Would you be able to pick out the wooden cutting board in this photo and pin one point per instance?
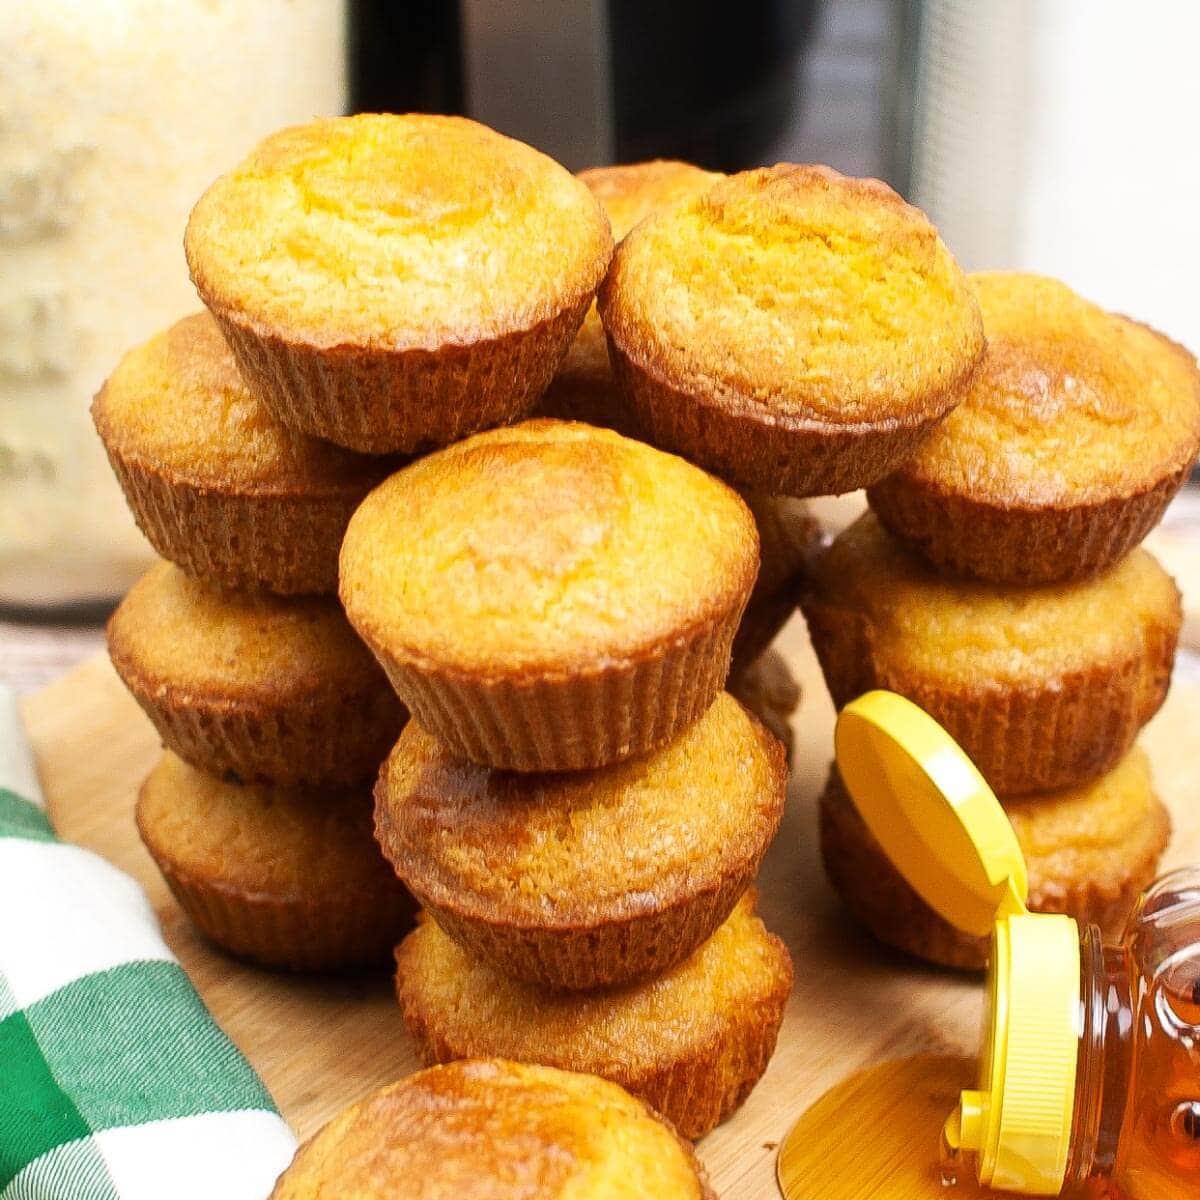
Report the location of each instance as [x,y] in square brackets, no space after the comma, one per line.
[321,1043]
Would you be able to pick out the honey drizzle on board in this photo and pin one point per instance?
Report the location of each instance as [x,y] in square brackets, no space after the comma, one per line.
[875,1136]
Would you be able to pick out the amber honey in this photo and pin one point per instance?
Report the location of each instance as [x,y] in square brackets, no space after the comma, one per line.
[875,1136]
[1157,1155]
[1088,1081]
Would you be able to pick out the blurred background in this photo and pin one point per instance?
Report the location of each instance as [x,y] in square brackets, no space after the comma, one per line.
[1050,135]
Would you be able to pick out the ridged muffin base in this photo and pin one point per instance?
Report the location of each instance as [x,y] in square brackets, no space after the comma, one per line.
[608,954]
[326,741]
[1031,737]
[695,1090]
[283,544]
[768,453]
[1018,544]
[564,721]
[342,933]
[381,401]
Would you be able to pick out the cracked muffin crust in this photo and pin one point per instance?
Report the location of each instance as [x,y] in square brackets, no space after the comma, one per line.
[551,596]
[585,879]
[791,329]
[487,1129]
[1077,430]
[692,1043]
[395,282]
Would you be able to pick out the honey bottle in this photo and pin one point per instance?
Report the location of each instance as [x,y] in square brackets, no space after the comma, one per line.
[1090,1069]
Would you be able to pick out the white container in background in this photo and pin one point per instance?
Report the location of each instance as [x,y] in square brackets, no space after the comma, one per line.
[1059,136]
[114,117]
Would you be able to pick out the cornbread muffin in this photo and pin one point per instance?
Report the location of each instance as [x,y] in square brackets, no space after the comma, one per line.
[551,596]
[584,388]
[789,536]
[1044,688]
[215,483]
[490,1129]
[1074,435]
[791,329]
[691,1043]
[585,879]
[769,690]
[394,283]
[272,690]
[1090,851]
[283,877]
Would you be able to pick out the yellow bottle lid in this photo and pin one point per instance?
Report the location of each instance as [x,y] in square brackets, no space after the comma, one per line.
[941,825]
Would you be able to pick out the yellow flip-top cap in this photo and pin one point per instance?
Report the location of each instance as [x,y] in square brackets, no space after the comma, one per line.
[943,828]
[931,811]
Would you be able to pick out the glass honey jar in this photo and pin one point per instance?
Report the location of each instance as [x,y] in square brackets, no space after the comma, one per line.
[1090,1069]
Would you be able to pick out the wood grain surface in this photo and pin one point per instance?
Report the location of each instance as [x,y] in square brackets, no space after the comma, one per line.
[321,1043]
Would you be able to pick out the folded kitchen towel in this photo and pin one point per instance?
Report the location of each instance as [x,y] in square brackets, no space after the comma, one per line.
[115,1082]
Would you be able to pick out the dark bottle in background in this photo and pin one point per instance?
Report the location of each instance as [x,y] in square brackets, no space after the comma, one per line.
[405,56]
[709,81]
[592,81]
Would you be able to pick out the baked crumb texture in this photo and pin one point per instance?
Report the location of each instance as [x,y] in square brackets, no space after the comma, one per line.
[488,1128]
[583,388]
[585,879]
[214,481]
[551,596]
[1075,433]
[283,877]
[270,690]
[790,329]
[1090,852]
[578,804]
[394,283]
[1044,688]
[691,1043]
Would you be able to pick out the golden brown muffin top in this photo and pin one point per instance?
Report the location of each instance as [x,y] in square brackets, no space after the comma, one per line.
[1070,404]
[486,1129]
[628,194]
[986,634]
[544,546]
[650,1022]
[1090,832]
[396,232]
[200,638]
[634,190]
[557,850]
[293,843]
[805,293]
[177,405]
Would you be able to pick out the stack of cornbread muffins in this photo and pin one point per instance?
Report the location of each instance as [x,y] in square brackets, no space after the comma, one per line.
[577,805]
[584,389]
[998,583]
[274,715]
[576,802]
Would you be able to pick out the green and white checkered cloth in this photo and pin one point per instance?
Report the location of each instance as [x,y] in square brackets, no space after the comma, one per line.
[115,1083]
